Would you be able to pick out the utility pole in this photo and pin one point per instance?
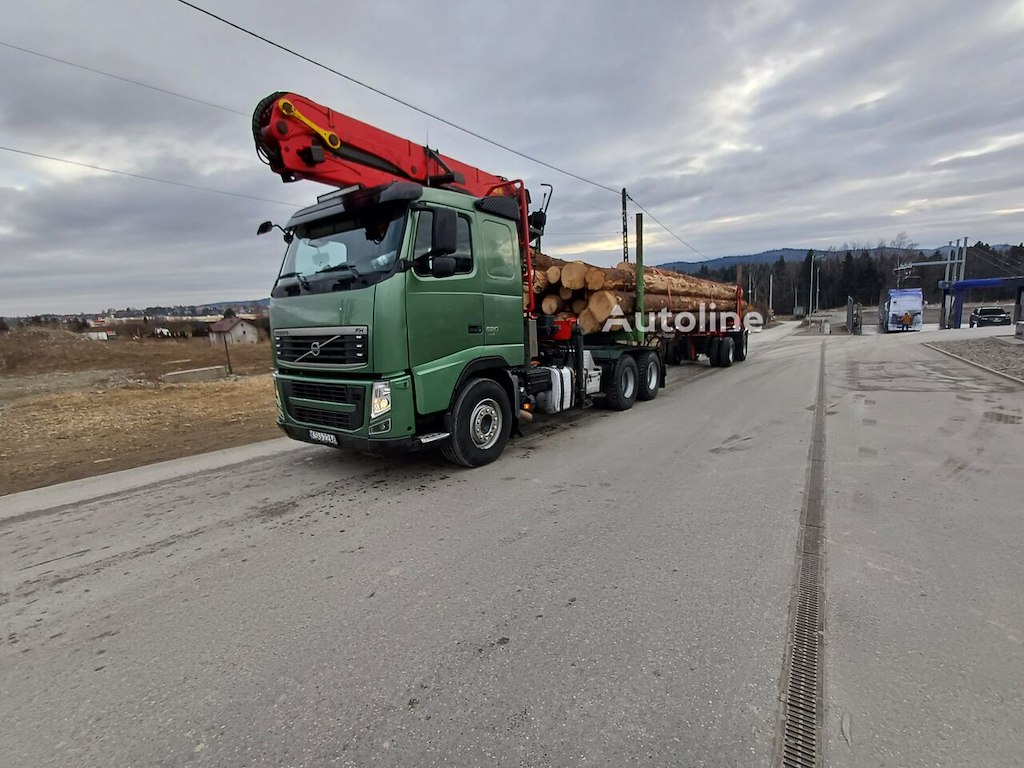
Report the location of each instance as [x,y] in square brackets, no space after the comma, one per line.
[944,307]
[625,230]
[817,289]
[227,354]
[963,261]
[771,294]
[810,290]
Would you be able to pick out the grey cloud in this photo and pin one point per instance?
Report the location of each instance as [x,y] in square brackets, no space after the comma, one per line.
[630,96]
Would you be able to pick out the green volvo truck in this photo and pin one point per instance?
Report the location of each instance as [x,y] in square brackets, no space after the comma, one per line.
[398,316]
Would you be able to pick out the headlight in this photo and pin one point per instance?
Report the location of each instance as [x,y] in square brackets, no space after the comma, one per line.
[380,399]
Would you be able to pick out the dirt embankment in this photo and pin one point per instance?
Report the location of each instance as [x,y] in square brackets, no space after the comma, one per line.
[73,408]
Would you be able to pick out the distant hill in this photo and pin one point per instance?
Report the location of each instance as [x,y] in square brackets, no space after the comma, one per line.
[765,257]
[770,257]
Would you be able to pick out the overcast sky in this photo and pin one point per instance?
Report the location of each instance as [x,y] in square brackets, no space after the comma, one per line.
[742,126]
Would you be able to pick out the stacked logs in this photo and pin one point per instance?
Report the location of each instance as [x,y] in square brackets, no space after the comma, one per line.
[591,294]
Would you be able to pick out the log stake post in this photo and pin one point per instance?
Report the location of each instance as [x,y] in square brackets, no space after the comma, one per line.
[640,308]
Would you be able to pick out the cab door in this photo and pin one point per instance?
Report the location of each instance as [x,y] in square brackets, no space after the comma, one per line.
[502,276]
[445,316]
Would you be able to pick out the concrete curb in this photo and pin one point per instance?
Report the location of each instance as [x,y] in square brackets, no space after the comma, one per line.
[49,497]
[976,365]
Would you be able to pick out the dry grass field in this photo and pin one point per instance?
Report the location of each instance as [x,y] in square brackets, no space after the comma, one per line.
[73,408]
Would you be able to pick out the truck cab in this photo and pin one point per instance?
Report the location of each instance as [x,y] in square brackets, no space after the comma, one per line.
[386,298]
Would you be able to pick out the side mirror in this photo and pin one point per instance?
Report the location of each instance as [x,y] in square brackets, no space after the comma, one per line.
[442,235]
[266,226]
[442,266]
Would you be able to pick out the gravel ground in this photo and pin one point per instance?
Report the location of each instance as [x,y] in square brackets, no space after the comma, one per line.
[1005,356]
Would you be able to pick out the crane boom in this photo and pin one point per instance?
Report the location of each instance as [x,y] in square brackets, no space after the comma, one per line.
[301,139]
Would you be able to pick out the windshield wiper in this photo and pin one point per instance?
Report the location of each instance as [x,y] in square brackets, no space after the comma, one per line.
[338,268]
[298,276]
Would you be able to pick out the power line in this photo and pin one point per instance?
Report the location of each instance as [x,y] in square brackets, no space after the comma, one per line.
[395,99]
[677,237]
[1001,267]
[230,110]
[144,177]
[431,115]
[122,79]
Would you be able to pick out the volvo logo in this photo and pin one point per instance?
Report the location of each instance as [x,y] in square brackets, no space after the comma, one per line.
[315,347]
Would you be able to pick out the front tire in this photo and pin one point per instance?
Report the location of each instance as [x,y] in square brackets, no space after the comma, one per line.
[650,375]
[621,390]
[481,424]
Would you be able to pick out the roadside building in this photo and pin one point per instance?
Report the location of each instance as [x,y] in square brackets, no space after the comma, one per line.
[234,330]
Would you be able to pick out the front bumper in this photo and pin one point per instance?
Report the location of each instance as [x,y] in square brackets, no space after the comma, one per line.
[365,444]
[340,407]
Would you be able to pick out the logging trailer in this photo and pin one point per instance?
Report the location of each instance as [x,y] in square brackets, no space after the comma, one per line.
[399,318]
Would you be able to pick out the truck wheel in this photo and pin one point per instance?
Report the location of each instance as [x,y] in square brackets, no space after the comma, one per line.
[726,352]
[621,390]
[481,423]
[672,356]
[741,346]
[650,376]
[712,351]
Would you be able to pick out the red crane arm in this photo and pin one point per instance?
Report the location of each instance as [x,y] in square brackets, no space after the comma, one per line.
[301,139]
[304,140]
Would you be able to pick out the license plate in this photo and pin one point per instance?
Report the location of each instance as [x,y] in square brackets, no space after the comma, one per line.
[323,437]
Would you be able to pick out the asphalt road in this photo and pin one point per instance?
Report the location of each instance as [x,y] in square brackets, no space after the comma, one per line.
[615,591]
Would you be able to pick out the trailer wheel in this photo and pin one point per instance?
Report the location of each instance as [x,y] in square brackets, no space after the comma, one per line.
[712,351]
[621,389]
[741,346]
[481,423]
[672,356]
[650,375]
[726,352]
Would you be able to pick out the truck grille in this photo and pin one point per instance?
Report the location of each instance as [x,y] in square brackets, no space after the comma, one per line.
[322,346]
[330,393]
[327,393]
[331,419]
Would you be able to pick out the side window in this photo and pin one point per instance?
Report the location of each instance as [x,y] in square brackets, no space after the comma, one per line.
[501,255]
[463,249]
[422,247]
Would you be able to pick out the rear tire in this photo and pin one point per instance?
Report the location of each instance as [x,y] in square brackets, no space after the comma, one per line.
[481,423]
[741,346]
[621,390]
[726,352]
[649,368]
[712,351]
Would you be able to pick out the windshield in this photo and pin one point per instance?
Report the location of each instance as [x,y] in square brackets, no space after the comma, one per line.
[353,250]
[990,311]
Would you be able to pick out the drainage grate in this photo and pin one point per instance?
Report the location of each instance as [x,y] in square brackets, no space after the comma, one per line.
[802,710]
[802,695]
